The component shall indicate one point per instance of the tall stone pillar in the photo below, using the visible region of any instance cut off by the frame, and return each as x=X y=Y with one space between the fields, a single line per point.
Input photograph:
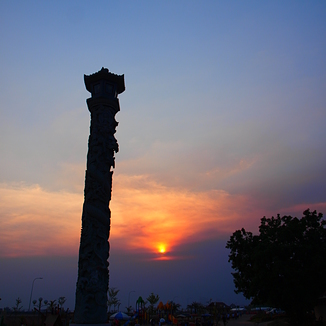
x=93 y=273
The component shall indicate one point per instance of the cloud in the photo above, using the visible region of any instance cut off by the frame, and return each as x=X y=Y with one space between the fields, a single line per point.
x=153 y=214
x=258 y=160
x=38 y=222
x=146 y=214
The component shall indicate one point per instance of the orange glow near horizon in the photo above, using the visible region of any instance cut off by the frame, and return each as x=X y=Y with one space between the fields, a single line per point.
x=148 y=211
x=39 y=222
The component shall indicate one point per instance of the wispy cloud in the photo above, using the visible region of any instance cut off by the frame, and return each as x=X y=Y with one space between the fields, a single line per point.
x=38 y=222
x=146 y=216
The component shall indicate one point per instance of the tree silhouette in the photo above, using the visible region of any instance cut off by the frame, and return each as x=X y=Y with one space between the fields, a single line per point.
x=113 y=299
x=18 y=307
x=284 y=265
x=153 y=300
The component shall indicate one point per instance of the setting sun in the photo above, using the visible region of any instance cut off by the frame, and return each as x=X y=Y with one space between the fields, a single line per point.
x=161 y=249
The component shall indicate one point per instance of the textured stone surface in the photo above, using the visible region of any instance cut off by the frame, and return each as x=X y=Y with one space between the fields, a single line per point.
x=93 y=274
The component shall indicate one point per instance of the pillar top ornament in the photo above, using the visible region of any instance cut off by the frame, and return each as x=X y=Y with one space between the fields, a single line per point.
x=104 y=84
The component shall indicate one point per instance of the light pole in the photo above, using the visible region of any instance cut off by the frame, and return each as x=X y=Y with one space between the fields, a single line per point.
x=30 y=299
x=129 y=298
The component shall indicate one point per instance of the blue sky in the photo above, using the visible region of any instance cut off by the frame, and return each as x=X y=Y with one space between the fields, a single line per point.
x=222 y=122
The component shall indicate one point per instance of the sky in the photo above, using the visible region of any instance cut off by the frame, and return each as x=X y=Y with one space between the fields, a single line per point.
x=222 y=122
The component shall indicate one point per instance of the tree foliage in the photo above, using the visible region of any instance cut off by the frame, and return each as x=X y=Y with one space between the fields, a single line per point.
x=195 y=307
x=51 y=305
x=61 y=301
x=175 y=306
x=18 y=307
x=113 y=298
x=153 y=300
x=284 y=265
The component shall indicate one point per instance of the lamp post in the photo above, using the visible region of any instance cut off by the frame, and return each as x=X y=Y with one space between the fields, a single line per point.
x=30 y=299
x=129 y=298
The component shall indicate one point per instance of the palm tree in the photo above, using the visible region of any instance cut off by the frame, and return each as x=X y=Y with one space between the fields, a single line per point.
x=175 y=306
x=153 y=300
x=195 y=307
x=113 y=300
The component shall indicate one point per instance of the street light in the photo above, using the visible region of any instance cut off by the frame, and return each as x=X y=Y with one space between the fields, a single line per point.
x=30 y=299
x=129 y=298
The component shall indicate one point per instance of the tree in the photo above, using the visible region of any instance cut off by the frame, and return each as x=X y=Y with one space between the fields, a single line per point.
x=51 y=305
x=284 y=265
x=61 y=301
x=129 y=310
x=18 y=307
x=153 y=300
x=39 y=306
x=195 y=307
x=175 y=306
x=40 y=299
x=113 y=300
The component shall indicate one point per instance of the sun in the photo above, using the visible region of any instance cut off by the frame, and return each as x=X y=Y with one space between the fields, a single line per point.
x=161 y=248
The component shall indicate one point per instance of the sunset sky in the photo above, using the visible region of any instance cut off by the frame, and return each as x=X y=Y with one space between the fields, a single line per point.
x=222 y=122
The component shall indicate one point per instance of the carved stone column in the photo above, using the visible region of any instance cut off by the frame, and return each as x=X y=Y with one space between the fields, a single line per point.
x=93 y=273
